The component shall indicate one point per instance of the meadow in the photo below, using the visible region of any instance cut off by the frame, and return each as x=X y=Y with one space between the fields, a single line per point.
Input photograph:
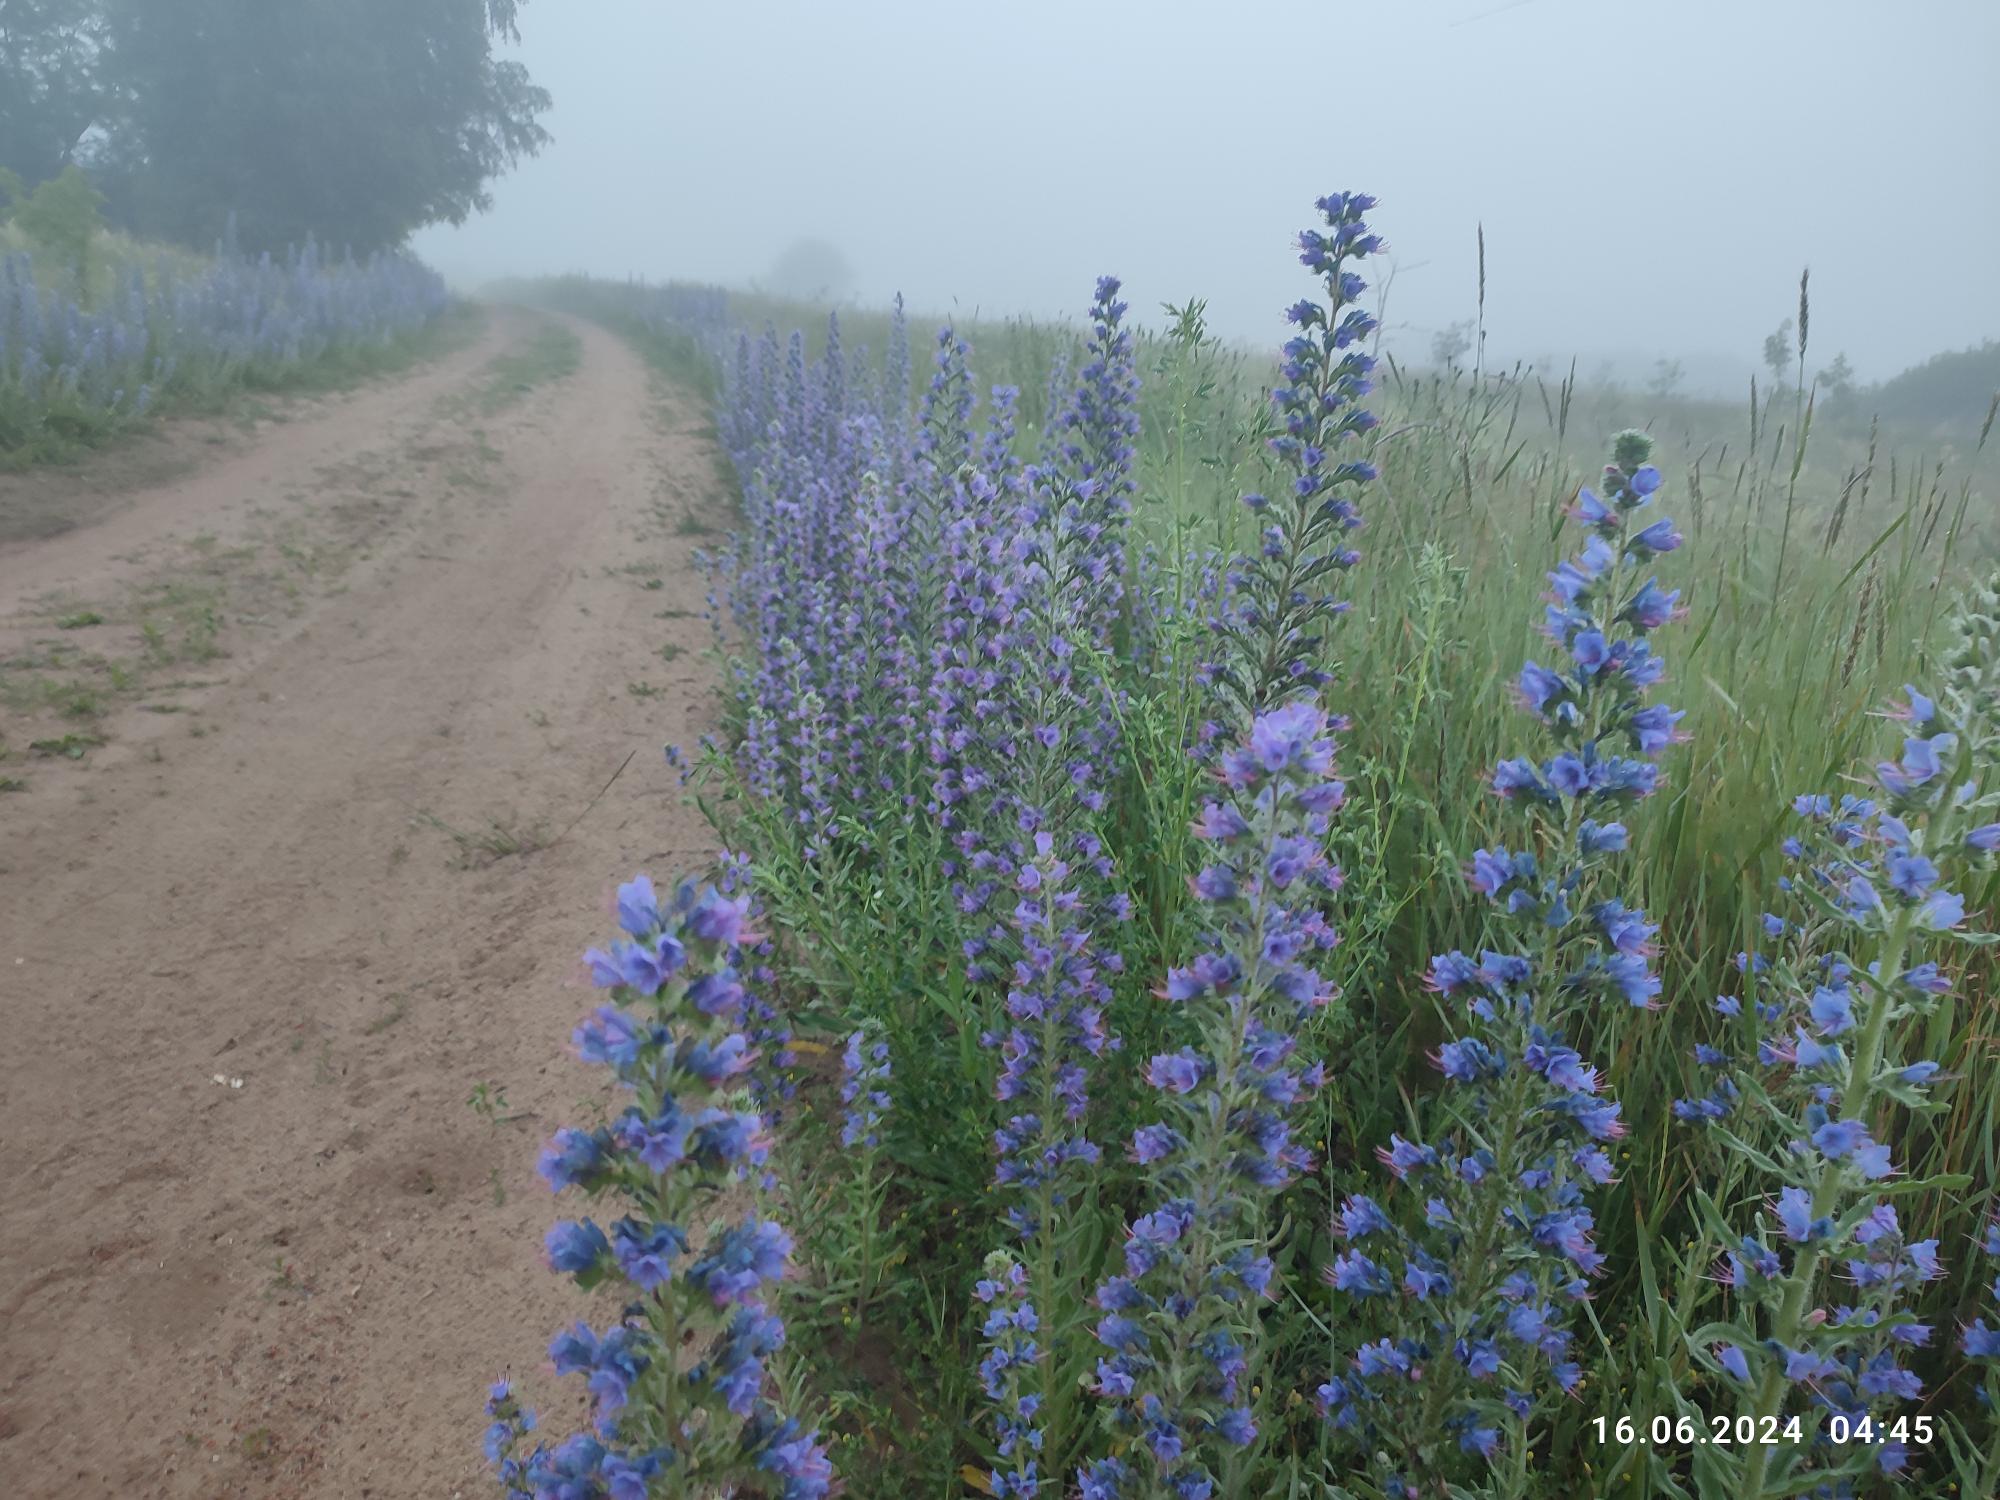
x=96 y=341
x=1135 y=1051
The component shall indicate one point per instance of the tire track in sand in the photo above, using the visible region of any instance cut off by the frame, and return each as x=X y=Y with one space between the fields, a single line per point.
x=301 y=1286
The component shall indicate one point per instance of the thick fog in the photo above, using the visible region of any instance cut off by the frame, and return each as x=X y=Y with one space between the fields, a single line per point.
x=1651 y=174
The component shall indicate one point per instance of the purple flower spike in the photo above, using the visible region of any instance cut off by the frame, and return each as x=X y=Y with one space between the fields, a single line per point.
x=1517 y=1193
x=680 y=1143
x=1232 y=1097
x=1832 y=996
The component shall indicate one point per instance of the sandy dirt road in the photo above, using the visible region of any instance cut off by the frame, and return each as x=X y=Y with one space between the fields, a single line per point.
x=357 y=683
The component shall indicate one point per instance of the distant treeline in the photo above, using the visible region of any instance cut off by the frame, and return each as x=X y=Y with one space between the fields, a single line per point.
x=1954 y=391
x=353 y=123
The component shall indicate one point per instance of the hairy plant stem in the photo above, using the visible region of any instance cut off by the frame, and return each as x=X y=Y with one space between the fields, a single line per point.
x=1770 y=1391
x=1211 y=1159
x=1482 y=1245
x=1052 y=1296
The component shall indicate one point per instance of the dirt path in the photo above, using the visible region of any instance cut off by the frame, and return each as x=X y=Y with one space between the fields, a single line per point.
x=335 y=868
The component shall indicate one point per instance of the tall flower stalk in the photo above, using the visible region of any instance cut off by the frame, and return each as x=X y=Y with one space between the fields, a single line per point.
x=1054 y=908
x=1180 y=1325
x=1490 y=1245
x=1009 y=1373
x=864 y=1099
x=1808 y=1077
x=1979 y=1464
x=665 y=1425
x=1275 y=636
x=1098 y=443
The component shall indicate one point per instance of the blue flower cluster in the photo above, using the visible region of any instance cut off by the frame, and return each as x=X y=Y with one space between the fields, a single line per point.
x=1487 y=1275
x=955 y=671
x=769 y=1078
x=1273 y=632
x=819 y=594
x=1097 y=440
x=864 y=1097
x=1008 y=1374
x=1979 y=1342
x=672 y=1035
x=1180 y=1320
x=931 y=625
x=1806 y=1068
x=236 y=319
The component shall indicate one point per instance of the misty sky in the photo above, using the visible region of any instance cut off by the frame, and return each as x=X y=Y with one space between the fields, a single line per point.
x=1652 y=174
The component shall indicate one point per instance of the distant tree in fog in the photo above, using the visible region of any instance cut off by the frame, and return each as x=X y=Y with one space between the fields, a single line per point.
x=810 y=270
x=1666 y=377
x=1450 y=344
x=355 y=122
x=50 y=91
x=1837 y=379
x=1954 y=394
x=1778 y=350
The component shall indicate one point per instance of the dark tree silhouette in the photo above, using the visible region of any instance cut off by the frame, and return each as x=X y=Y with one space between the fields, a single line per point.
x=50 y=92
x=354 y=121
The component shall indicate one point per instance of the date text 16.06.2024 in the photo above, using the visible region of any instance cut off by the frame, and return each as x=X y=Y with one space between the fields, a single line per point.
x=1725 y=1431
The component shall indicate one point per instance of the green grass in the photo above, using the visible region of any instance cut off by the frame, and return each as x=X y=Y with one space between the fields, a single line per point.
x=72 y=746
x=399 y=1007
x=1822 y=554
x=552 y=354
x=499 y=839
x=675 y=357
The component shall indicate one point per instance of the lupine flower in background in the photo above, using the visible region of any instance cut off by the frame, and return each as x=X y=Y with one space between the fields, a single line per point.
x=1180 y=1321
x=1809 y=1072
x=1272 y=645
x=962 y=611
x=1036 y=889
x=1482 y=1255
x=167 y=333
x=672 y=1035
x=943 y=442
x=895 y=388
x=1009 y=1375
x=1097 y=440
x=806 y=742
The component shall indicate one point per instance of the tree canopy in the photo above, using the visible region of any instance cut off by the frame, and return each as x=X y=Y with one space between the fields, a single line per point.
x=355 y=121
x=50 y=87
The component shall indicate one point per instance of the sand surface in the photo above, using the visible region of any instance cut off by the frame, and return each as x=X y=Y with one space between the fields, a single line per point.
x=360 y=675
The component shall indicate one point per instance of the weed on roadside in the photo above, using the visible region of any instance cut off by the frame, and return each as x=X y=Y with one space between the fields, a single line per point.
x=72 y=746
x=496 y=841
x=399 y=1007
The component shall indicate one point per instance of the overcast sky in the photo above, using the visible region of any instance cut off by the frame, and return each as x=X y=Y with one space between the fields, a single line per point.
x=1652 y=174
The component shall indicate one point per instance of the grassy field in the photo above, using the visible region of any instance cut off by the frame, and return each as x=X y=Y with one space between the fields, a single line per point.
x=138 y=331
x=1822 y=559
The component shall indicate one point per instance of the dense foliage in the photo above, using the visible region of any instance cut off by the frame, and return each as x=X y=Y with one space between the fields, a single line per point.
x=355 y=123
x=83 y=355
x=1224 y=1091
x=50 y=94
x=1953 y=392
